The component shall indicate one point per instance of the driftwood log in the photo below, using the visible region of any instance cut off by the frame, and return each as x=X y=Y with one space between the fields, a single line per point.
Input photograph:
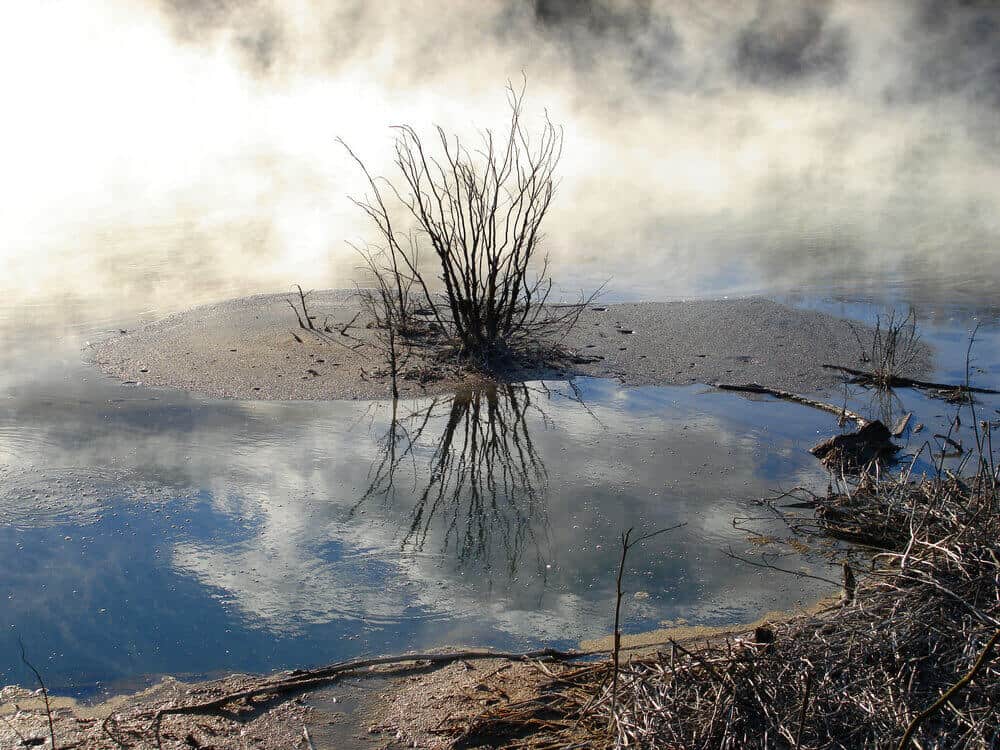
x=842 y=412
x=302 y=679
x=900 y=382
x=851 y=451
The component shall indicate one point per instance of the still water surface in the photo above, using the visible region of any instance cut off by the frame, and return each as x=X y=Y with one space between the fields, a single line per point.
x=146 y=532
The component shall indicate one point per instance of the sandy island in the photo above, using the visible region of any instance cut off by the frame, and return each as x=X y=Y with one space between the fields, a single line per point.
x=253 y=348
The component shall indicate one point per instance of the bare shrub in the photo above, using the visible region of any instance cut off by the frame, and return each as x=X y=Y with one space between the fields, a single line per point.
x=479 y=211
x=305 y=320
x=892 y=348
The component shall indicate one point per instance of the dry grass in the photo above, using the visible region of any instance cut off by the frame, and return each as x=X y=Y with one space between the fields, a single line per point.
x=907 y=659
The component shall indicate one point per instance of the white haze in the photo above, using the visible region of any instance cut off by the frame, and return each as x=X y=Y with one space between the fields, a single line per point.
x=155 y=155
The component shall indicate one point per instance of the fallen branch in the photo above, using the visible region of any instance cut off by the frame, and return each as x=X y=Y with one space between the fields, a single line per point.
x=348 y=324
x=770 y=566
x=853 y=450
x=901 y=382
x=304 y=679
x=301 y=679
x=297 y=317
x=841 y=412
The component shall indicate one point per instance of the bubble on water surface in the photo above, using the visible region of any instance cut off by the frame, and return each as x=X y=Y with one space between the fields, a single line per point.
x=31 y=497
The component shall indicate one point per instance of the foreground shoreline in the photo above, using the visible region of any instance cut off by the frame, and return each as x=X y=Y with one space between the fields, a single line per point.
x=403 y=704
x=871 y=669
x=252 y=348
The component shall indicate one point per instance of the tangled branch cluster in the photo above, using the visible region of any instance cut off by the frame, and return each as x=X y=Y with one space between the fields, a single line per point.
x=907 y=659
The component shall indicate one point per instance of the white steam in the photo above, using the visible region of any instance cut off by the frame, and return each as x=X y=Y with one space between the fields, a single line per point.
x=180 y=151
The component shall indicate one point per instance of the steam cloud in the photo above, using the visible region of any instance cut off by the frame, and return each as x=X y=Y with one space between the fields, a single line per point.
x=183 y=149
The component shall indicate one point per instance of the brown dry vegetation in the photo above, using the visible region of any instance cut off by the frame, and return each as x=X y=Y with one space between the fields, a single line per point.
x=905 y=660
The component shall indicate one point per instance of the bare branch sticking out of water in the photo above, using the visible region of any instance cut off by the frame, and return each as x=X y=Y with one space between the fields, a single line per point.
x=45 y=692
x=841 y=412
x=627 y=544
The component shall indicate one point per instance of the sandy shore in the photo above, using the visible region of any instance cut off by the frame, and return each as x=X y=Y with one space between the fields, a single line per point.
x=252 y=348
x=405 y=706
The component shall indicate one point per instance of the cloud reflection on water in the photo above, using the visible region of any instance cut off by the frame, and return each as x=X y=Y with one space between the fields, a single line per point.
x=282 y=522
